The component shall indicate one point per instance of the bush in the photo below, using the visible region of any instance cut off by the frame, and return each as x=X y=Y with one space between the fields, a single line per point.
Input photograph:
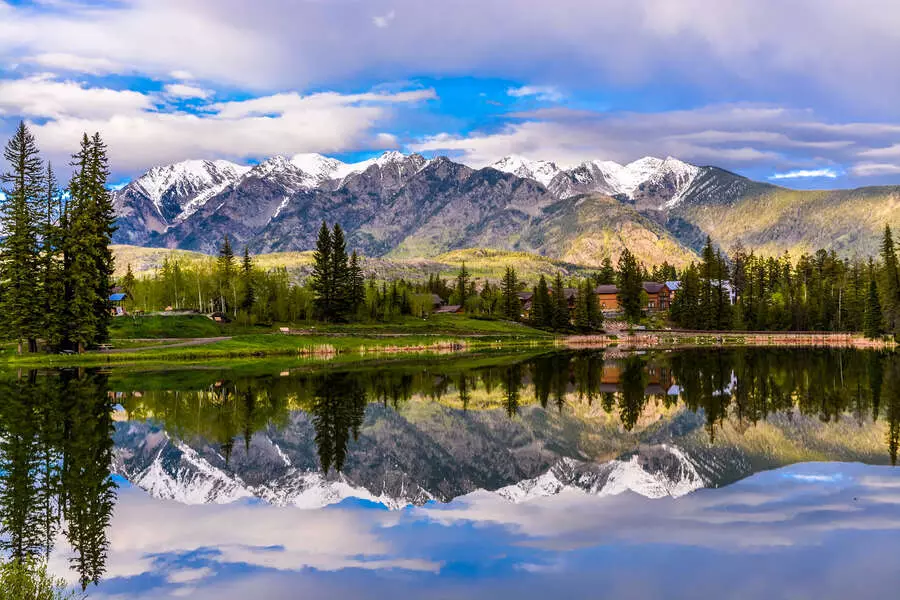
x=24 y=581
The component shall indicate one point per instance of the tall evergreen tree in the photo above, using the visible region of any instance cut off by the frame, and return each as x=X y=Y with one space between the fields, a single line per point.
x=322 y=277
x=340 y=275
x=541 y=310
x=20 y=304
x=247 y=284
x=226 y=274
x=630 y=287
x=461 y=291
x=607 y=274
x=872 y=323
x=889 y=282
x=560 y=305
x=357 y=292
x=510 y=304
x=52 y=266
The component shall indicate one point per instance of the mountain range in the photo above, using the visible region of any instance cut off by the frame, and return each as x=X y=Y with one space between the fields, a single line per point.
x=407 y=206
x=431 y=452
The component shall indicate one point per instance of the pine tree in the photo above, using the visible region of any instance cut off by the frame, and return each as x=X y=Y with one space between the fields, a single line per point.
x=20 y=304
x=560 y=305
x=340 y=275
x=249 y=298
x=461 y=291
x=581 y=316
x=630 y=287
x=510 y=304
x=872 y=323
x=322 y=278
x=685 y=310
x=889 y=282
x=541 y=310
x=52 y=264
x=357 y=292
x=607 y=274
x=104 y=219
x=225 y=272
x=592 y=305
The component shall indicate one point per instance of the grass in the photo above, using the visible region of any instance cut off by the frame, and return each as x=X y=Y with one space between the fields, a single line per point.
x=148 y=338
x=180 y=326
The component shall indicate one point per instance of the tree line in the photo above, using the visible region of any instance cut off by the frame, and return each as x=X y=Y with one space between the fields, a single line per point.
x=56 y=266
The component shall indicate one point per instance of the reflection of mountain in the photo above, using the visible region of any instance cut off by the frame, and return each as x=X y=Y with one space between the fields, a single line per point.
x=525 y=429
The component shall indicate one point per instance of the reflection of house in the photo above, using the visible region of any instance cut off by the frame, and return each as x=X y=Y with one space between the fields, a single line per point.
x=658 y=380
x=658 y=297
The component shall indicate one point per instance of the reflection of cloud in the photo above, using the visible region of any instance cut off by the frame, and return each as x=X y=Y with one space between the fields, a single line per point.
x=810 y=528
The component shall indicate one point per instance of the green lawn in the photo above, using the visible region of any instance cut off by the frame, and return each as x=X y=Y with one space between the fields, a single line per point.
x=181 y=326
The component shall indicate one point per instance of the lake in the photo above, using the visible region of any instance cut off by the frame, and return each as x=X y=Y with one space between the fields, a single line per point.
x=729 y=473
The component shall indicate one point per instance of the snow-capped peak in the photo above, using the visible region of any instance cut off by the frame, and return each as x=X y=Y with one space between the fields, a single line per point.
x=542 y=171
x=319 y=168
x=391 y=156
x=190 y=182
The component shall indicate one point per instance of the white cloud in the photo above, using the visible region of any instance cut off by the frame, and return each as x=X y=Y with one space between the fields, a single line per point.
x=869 y=169
x=184 y=91
x=181 y=75
x=384 y=21
x=544 y=93
x=139 y=135
x=807 y=174
x=42 y=96
x=61 y=61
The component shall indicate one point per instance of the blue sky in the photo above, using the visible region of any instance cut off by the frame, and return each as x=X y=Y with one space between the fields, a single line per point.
x=801 y=93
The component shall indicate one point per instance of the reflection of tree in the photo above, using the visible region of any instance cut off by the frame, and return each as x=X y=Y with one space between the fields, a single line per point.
x=338 y=411
x=632 y=398
x=462 y=386
x=55 y=451
x=891 y=398
x=512 y=381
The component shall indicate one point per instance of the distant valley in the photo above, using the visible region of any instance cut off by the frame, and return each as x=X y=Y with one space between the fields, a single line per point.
x=401 y=207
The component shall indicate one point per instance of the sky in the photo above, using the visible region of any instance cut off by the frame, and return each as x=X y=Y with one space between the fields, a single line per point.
x=803 y=93
x=815 y=530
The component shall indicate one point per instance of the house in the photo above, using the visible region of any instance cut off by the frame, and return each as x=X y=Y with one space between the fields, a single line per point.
x=675 y=286
x=659 y=297
x=453 y=309
x=436 y=301
x=117 y=300
x=526 y=299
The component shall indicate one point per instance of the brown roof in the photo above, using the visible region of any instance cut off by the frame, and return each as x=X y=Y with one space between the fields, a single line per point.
x=525 y=296
x=453 y=308
x=651 y=287
x=606 y=289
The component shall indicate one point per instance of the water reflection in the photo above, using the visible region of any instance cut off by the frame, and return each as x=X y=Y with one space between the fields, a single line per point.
x=55 y=452
x=515 y=428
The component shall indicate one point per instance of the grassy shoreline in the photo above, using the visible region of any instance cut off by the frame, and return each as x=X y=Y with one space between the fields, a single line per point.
x=197 y=340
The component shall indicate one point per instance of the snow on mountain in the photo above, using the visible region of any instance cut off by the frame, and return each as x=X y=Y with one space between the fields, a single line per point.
x=541 y=171
x=659 y=472
x=189 y=184
x=667 y=179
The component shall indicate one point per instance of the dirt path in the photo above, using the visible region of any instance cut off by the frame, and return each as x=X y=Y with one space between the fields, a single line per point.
x=183 y=343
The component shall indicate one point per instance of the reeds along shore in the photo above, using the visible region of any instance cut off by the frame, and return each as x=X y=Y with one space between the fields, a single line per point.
x=731 y=338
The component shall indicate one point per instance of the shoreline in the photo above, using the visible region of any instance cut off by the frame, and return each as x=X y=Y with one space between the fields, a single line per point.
x=349 y=348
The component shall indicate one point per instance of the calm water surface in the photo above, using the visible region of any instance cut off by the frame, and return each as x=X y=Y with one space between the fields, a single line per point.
x=693 y=474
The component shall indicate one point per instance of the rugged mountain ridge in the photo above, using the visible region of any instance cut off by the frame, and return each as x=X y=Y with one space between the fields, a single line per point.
x=408 y=206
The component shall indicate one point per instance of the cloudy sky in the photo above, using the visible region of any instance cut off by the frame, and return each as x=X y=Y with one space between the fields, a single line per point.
x=815 y=530
x=801 y=92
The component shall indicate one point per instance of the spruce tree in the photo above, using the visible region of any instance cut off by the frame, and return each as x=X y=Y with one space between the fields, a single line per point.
x=607 y=274
x=630 y=287
x=541 y=310
x=510 y=305
x=357 y=292
x=872 y=323
x=890 y=282
x=225 y=274
x=461 y=291
x=247 y=284
x=592 y=305
x=560 y=305
x=52 y=265
x=581 y=316
x=321 y=280
x=104 y=219
x=340 y=275
x=20 y=303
